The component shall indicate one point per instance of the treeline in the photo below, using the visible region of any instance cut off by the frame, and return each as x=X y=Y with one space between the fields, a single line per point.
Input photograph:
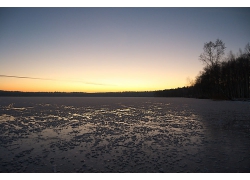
x=76 y=94
x=221 y=78
x=228 y=79
x=177 y=92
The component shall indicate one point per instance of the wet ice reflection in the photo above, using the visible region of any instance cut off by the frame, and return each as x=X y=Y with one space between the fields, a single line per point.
x=110 y=135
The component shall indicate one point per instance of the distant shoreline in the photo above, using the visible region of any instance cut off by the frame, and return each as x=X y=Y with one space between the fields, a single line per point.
x=77 y=94
x=174 y=92
x=178 y=92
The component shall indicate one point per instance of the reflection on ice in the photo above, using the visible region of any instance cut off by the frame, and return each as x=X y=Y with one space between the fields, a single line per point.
x=112 y=135
x=5 y=117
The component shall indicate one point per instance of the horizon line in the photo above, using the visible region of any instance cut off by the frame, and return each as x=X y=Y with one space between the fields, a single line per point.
x=90 y=92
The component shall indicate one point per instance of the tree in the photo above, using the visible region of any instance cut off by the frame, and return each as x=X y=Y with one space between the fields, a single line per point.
x=247 y=50
x=213 y=52
x=231 y=56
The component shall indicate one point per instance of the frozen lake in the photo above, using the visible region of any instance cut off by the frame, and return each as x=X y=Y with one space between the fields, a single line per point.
x=123 y=135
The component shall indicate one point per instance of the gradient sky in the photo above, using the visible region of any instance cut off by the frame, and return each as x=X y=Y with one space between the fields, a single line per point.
x=111 y=49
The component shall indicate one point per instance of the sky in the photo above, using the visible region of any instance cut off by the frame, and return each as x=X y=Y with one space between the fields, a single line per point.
x=111 y=49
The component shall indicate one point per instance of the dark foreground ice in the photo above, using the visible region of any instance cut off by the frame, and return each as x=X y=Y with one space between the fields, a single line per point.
x=123 y=135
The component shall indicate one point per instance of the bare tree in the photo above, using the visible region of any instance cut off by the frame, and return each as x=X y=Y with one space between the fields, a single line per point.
x=213 y=52
x=231 y=56
x=190 y=82
x=247 y=49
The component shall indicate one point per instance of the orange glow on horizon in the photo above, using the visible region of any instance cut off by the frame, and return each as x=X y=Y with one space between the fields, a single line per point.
x=107 y=85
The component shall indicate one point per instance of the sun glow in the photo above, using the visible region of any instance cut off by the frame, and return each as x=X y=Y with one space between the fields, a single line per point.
x=107 y=84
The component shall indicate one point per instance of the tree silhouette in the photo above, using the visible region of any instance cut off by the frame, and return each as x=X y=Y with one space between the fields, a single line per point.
x=229 y=79
x=247 y=50
x=213 y=52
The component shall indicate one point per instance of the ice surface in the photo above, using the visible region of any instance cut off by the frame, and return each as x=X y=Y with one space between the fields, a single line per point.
x=123 y=135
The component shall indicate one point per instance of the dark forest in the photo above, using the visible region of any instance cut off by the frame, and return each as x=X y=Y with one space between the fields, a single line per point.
x=222 y=77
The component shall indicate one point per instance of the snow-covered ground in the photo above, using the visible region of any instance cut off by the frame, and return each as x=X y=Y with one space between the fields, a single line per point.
x=123 y=135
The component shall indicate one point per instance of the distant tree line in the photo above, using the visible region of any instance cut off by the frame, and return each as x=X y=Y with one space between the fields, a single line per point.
x=77 y=94
x=177 y=92
x=227 y=79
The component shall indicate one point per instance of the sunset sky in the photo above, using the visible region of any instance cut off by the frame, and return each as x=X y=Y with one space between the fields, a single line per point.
x=111 y=49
